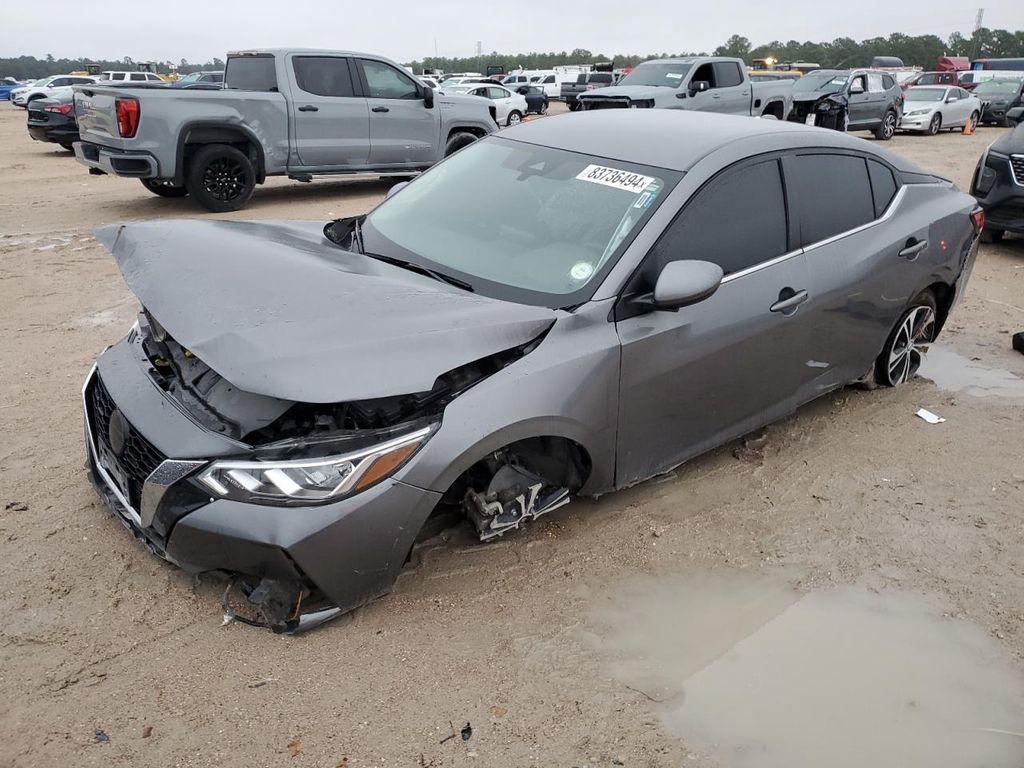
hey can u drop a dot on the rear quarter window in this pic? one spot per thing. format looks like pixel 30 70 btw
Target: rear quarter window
pixel 883 185
pixel 832 194
pixel 251 73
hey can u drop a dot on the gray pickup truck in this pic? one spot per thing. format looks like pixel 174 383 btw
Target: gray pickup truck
pixel 707 84
pixel 299 113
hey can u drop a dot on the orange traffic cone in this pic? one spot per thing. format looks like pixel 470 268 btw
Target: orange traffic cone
pixel 967 128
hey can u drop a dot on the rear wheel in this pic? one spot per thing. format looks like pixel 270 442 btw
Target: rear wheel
pixel 908 342
pixel 887 129
pixel 975 119
pixel 220 178
pixel 68 147
pixel 163 189
pixel 515 117
pixel 935 125
pixel 458 141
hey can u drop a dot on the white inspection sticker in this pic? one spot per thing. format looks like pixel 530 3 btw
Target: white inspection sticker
pixel 613 177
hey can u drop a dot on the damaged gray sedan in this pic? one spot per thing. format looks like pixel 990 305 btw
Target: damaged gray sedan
pixel 569 307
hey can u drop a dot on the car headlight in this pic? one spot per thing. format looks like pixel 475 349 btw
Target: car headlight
pixel 917 112
pixel 310 481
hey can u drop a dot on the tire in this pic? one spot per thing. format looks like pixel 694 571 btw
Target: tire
pixel 68 147
pixel 515 117
pixel 220 178
pixel 901 355
pixel 544 108
pixel 163 190
pixel 975 119
pixel 458 141
pixel 887 129
pixel 935 125
pixel 574 106
pixel 992 235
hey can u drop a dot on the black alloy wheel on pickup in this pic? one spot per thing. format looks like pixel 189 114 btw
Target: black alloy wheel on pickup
pixel 220 177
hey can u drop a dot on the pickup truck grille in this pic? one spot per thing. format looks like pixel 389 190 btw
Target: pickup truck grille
pixel 1017 165
pixel 604 102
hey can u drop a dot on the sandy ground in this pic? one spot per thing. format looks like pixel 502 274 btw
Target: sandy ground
pixel 852 492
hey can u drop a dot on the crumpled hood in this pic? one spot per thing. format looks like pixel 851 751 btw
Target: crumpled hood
pixel 632 91
pixel 278 310
pixel 819 95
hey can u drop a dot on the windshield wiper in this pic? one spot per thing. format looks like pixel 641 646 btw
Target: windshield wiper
pixel 412 266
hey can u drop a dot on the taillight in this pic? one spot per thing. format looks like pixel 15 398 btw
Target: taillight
pixel 127 116
pixel 60 109
pixel 978 220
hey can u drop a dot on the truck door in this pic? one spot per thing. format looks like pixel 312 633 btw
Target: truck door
pixel 331 123
pixel 403 130
pixel 732 89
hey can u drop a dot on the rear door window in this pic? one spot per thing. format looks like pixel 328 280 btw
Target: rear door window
pixel 323 75
pixel 727 74
pixel 875 84
pixel 251 73
pixel 137 76
pixel 831 194
pixel 737 220
pixel 883 185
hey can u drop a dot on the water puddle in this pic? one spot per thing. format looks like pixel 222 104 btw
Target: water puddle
pixel 955 373
pixel 756 675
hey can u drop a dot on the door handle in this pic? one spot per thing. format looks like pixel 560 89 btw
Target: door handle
pixel 309 108
pixel 789 300
pixel 380 109
pixel 913 249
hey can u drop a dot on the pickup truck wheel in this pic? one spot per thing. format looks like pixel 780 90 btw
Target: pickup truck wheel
pixel 220 178
pixel 887 129
pixel 458 141
pixel 515 117
pixel 163 189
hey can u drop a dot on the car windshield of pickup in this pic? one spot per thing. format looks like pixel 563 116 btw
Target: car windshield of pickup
pixel 660 73
pixel 821 82
pixel 519 222
pixel 250 72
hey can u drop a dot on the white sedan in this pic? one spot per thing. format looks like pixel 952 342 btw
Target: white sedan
pixel 48 87
pixel 930 108
pixel 509 107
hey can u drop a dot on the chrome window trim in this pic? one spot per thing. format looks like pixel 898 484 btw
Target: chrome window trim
pixel 886 214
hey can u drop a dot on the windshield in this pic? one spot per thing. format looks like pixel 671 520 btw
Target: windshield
pixel 189 78
pixel 668 74
pixel 519 222
pixel 820 82
pixel 926 94
pixel 998 86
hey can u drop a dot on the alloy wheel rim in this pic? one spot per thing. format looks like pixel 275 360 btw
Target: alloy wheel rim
pixel 513 119
pixel 890 126
pixel 224 179
pixel 910 344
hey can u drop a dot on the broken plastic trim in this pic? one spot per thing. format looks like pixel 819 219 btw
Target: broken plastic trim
pixel 277 606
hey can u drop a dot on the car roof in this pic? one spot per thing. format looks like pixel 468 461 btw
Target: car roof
pixel 664 138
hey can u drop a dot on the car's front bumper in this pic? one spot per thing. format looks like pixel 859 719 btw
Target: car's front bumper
pixel 340 555
pixel 1000 191
pixel 98 159
pixel 917 123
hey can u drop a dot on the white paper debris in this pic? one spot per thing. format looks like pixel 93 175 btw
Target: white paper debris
pixel 930 417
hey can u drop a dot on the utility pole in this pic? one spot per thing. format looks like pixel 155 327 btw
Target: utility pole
pixel 977 28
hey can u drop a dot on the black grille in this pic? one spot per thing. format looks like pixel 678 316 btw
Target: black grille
pixel 1017 161
pixel 138 459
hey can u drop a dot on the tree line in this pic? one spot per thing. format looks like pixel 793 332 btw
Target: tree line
pixel 921 50
pixel 31 68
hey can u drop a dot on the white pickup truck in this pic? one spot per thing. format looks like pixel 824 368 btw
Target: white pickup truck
pixel 702 83
pixel 299 113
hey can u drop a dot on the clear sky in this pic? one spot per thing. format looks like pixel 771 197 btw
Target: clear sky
pixel 405 30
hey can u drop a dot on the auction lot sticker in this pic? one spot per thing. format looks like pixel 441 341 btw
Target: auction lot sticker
pixel 613 177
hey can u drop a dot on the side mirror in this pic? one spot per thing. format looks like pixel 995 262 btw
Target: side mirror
pixel 397 188
pixel 951 99
pixel 699 86
pixel 428 97
pixel 857 87
pixel 1015 116
pixel 686 282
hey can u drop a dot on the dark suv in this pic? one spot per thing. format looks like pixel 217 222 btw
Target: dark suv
pixel 998 184
pixel 849 100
